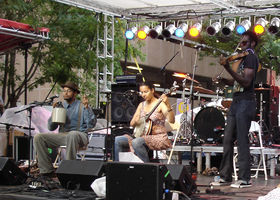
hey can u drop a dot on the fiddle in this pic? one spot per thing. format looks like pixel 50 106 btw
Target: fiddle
pixel 234 57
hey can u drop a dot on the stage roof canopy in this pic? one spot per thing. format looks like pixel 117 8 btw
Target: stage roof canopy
pixel 178 9
pixel 15 34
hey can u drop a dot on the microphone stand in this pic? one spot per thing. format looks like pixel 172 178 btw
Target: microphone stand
pixel 29 109
pixel 163 69
pixel 192 103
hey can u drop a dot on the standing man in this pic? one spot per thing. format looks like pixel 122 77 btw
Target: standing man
pixel 72 134
pixel 242 111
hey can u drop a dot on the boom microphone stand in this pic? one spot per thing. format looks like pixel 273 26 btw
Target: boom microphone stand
pixel 192 103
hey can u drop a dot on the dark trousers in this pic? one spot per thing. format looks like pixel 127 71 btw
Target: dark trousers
pixel 239 118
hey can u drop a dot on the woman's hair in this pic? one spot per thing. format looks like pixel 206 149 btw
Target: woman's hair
pixel 149 84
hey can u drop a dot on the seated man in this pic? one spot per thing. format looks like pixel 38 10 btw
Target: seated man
pixel 79 118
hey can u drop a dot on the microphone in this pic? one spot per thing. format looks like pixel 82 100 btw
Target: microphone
pixel 53 97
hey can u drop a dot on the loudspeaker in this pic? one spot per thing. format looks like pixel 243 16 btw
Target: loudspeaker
pixel 124 103
pixel 182 180
pixel 10 174
pixel 74 174
pixel 137 181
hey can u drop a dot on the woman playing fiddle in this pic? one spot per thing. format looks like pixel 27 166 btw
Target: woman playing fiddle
pixel 157 139
pixel 242 111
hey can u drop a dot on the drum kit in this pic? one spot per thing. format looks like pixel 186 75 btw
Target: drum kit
pixel 208 120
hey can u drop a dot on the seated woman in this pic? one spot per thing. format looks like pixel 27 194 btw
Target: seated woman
pixel 157 139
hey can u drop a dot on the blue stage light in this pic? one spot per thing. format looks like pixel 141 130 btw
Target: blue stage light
pixel 181 30
pixel 130 33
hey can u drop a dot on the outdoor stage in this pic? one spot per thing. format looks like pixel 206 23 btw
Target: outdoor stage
pixel 260 187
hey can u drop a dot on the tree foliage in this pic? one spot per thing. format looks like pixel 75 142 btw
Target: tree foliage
pixel 70 54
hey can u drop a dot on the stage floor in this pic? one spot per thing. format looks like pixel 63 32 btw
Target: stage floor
pixel 260 187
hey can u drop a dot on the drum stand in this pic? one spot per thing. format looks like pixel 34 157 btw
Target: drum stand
pixel 185 121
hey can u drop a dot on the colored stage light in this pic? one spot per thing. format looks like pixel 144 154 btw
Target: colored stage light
pixel 130 33
pixel 259 27
pixel 274 25
pixel 169 30
pixel 243 27
pixel 155 32
pixel 181 30
pixel 213 28
pixel 195 30
pixel 228 28
pixel 142 33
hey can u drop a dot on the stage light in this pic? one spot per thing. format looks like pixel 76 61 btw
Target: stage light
pixel 213 28
pixel 142 33
pixel 169 30
pixel 181 30
pixel 130 33
pixel 155 32
pixel 228 28
pixel 243 27
pixel 259 27
pixel 274 25
pixel 195 30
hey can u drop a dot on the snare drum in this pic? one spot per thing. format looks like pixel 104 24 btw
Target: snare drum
pixel 209 123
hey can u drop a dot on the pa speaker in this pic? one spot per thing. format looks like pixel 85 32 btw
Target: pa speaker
pixel 10 174
pixel 137 181
pixel 124 103
pixel 75 174
pixel 182 180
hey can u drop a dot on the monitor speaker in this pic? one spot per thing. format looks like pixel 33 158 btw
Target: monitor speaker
pixel 76 174
pixel 137 181
pixel 124 103
pixel 10 174
pixel 182 180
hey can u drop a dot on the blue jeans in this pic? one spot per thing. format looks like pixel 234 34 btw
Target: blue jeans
pixel 239 118
pixel 138 144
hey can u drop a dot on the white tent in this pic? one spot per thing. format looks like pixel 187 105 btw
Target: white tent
pixel 179 9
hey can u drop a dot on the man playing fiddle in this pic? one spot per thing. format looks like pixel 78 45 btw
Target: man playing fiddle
pixel 242 111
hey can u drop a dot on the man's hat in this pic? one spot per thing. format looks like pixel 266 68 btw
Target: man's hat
pixel 72 86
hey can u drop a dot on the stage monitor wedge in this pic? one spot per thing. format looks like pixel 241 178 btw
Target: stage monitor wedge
pixel 76 174
pixel 10 174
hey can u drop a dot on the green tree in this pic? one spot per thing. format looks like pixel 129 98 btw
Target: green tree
pixel 69 54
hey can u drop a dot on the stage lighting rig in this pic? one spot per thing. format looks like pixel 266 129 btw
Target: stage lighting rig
pixel 169 30
pixel 155 32
pixel 214 28
pixel 142 33
pixel 181 30
pixel 274 25
pixel 130 33
pixel 195 30
pixel 228 28
pixel 259 27
pixel 243 27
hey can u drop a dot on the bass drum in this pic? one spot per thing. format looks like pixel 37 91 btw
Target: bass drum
pixel 209 125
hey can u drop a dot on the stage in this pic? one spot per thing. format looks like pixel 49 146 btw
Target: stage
pixel 260 187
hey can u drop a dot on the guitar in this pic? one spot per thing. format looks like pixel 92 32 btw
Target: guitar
pixel 144 126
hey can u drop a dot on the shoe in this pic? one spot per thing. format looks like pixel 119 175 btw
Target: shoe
pixel 218 181
pixel 241 184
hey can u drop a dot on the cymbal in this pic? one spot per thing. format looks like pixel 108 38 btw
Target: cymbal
pixel 186 76
pixel 203 90
pixel 261 89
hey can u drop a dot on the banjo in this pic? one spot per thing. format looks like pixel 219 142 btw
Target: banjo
pixel 144 126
